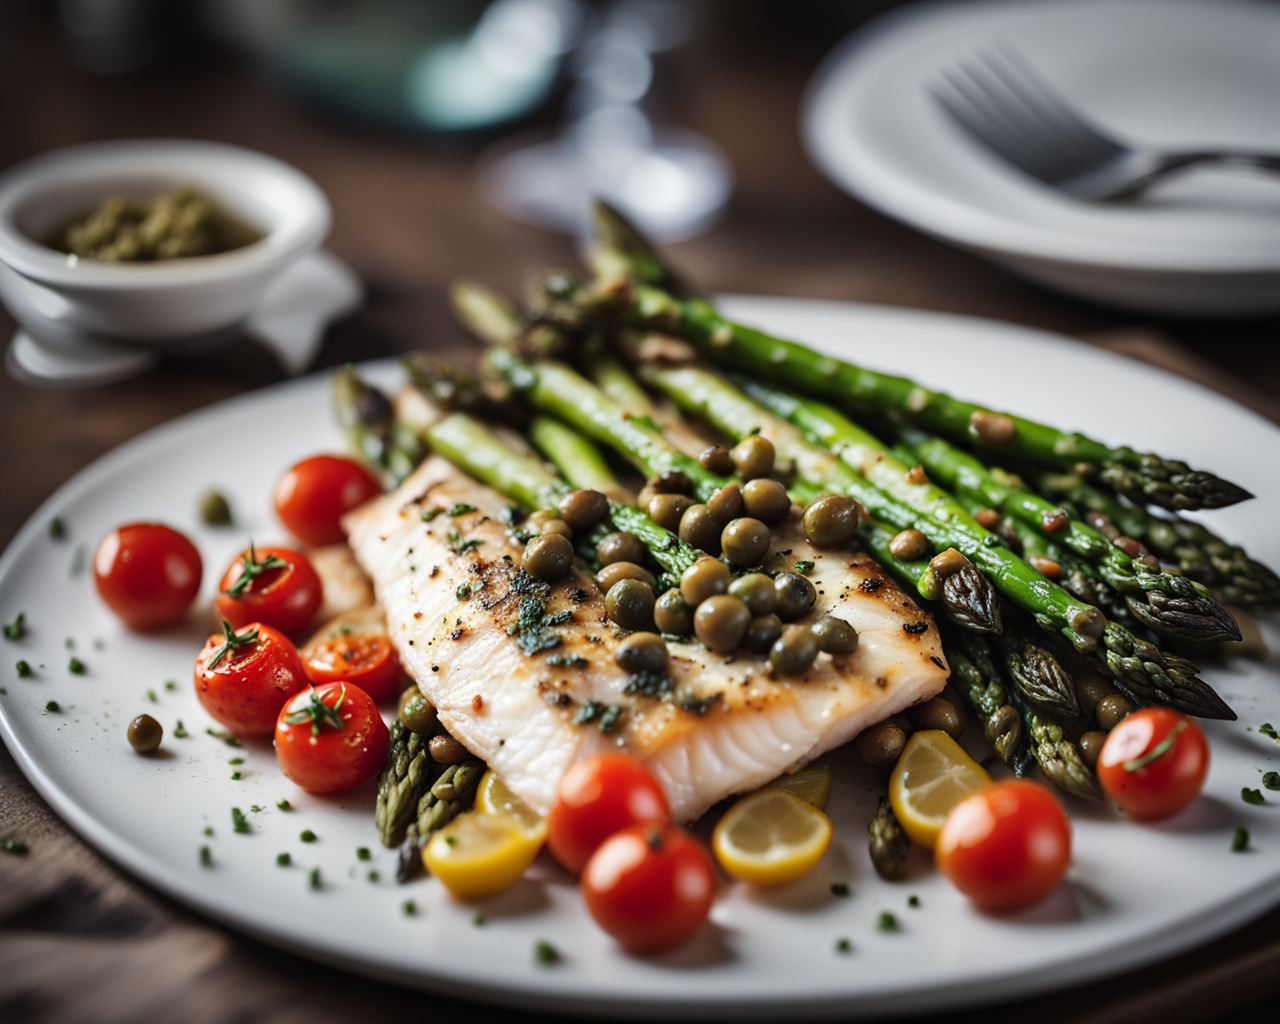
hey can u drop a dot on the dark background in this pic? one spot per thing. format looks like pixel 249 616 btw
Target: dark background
pixel 81 941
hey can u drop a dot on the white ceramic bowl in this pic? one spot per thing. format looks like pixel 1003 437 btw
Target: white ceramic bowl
pixel 59 299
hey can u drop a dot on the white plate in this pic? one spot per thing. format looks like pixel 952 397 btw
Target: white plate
pixel 1135 894
pixel 1166 72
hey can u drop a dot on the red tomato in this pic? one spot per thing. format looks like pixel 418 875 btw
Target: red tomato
pixel 649 886
pixel 355 648
pixel 1005 846
pixel 316 493
pixel 331 737
pixel 598 797
pixel 1154 763
pixel 147 573
pixel 244 677
pixel 272 585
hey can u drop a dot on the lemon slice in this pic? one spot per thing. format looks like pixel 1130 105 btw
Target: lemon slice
pixel 931 777
pixel 812 784
pixel 771 838
pixel 479 855
pixel 493 798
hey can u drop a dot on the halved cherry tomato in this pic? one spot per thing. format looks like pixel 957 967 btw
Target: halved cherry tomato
pixel 147 573
pixel 244 677
pixel 1005 846
pixel 331 737
pixel 272 585
pixel 355 648
pixel 649 886
pixel 315 494
pixel 598 797
pixel 1154 763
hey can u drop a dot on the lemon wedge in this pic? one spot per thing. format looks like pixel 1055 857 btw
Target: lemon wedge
pixel 812 784
pixel 771 838
pixel 485 851
pixel 931 777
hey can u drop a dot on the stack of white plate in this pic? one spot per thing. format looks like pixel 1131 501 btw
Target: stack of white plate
pixel 1166 72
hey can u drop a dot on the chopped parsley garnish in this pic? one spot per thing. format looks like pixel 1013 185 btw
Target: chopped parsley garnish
pixel 803 567
pixel 236 760
pixel 461 509
pixel 237 776
pixel 16 629
pixel 566 660
pixel 76 667
pixel 239 823
pixel 318 712
pixel 649 684
pixel 839 889
pixel 373 877
pixel 24 670
pixel 886 922
pixel 913 901
pixel 251 569
pixel 478 919
pixel 1252 796
pixel 1267 729
pixel 284 804
pixel 151 696
pixel 56 528
pixel 283 860
pixel 206 857
pixel 699 705
pixel 362 853
pixel 409 908
pixel 1240 841
pixel 534 628
pixel 180 731
pixel 52 706
pixel 545 953
pixel 459 546
pixel 1271 780
pixel 313 879
pixel 605 716
pixel 844 946
pixel 169 684
pixel 307 836
pixel 15 846
pixel 231 642
pixel 226 737
pixel 429 514
pixel 1159 750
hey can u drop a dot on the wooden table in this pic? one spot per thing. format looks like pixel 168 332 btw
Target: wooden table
pixel 79 939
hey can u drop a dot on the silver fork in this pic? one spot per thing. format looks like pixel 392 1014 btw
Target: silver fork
pixel 1003 104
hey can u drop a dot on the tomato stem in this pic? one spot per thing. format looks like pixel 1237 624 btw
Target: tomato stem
pixel 1158 750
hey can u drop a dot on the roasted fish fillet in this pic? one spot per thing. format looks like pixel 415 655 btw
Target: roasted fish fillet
pixel 523 672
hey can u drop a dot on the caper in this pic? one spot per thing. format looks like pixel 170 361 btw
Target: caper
pixel 629 603
pixel 666 509
pixel 1112 710
pixel 642 652
pixel 756 589
pixel 794 651
pixel 549 557
pixel 645 496
pixel 881 744
pixel 762 631
pixel 766 500
pixel 795 595
pixel 700 529
pixel 721 622
pixel 831 520
pixel 444 749
pixel 745 541
pixel 1091 688
pixel 145 734
pixel 835 636
pixel 716 459
pixel 583 509
pixel 545 523
pixel 706 578
pixel 673 614
pixel 416 713
pixel 947 563
pixel 673 481
pixel 938 713
pixel 620 547
pixel 615 571
pixel 908 545
pixel 1091 746
pixel 726 504
pixel 753 457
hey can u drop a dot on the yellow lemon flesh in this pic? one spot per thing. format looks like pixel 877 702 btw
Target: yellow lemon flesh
pixel 812 784
pixel 931 777
pixel 485 851
pixel 771 838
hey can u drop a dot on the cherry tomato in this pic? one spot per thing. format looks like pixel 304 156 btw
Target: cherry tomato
pixel 1154 763
pixel 1005 846
pixel 331 737
pixel 355 648
pixel 317 492
pixel 244 677
pixel 147 573
pixel 649 886
pixel 598 797
pixel 272 585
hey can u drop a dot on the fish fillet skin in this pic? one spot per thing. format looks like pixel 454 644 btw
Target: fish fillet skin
pixel 452 587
